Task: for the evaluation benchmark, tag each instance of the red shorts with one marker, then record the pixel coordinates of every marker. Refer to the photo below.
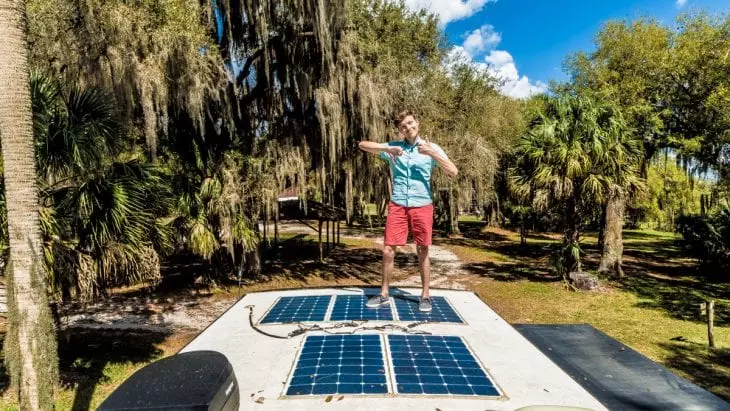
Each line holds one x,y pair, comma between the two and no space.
400,218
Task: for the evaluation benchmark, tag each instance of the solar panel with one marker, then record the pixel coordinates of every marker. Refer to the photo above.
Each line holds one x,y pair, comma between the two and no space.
437,365
339,364
298,309
407,308
352,307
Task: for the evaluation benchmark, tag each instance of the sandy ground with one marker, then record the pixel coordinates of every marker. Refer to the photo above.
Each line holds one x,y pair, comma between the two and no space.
192,313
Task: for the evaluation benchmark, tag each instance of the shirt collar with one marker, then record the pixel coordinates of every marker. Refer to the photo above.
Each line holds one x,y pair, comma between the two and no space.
415,143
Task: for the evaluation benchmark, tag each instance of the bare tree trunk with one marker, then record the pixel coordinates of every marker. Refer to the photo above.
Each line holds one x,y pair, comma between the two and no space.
453,212
30,344
523,232
602,228
613,246
572,238
348,198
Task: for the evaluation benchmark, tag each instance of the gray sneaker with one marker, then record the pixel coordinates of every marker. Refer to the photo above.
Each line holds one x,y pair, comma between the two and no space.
377,301
425,305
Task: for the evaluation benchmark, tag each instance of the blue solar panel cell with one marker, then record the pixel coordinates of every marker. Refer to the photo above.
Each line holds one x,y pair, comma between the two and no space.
339,364
407,308
437,365
352,308
298,309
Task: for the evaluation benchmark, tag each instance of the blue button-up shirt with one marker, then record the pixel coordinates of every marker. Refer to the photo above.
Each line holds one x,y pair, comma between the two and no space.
411,174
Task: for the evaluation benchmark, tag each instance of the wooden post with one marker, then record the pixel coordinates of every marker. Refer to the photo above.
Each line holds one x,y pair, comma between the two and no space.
266,224
334,238
710,323
276,226
321,255
328,237
338,232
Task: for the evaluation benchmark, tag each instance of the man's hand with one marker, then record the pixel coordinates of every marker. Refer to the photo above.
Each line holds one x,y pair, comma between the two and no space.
394,151
425,147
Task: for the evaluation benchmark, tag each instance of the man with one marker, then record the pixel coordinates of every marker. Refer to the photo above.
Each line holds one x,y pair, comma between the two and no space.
411,207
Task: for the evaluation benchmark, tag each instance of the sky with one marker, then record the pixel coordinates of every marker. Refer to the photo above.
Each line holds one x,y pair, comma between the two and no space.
525,42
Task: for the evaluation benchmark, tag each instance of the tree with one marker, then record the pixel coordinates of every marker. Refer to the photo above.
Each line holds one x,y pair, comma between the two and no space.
670,194
575,155
30,345
628,68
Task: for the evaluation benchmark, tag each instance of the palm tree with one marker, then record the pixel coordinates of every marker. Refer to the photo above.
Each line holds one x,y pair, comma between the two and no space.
574,155
30,345
102,207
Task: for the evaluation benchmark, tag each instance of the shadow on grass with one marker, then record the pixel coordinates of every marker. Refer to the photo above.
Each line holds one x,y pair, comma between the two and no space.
655,267
511,272
84,355
679,297
521,262
473,230
299,260
708,368
629,235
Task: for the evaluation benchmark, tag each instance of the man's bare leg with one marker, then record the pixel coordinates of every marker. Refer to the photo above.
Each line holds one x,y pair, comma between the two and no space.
388,258
424,266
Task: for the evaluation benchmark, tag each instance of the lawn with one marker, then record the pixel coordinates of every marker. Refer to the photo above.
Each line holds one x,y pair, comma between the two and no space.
654,309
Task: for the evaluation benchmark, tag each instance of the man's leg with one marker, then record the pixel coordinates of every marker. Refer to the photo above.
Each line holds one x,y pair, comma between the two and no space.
388,258
422,224
424,266
396,233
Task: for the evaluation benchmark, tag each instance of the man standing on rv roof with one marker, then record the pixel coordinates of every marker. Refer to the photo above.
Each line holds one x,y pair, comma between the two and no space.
411,203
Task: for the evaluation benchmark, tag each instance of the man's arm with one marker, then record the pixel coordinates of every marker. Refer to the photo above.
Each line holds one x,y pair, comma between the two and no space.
377,148
447,165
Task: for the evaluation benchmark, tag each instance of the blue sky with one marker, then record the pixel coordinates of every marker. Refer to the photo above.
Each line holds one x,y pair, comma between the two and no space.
526,41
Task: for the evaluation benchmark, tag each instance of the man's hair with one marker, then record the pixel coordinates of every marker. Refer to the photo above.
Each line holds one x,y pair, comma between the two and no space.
402,115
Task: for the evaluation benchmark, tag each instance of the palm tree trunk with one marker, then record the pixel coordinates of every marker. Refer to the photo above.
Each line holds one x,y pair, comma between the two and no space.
30,345
572,237
613,246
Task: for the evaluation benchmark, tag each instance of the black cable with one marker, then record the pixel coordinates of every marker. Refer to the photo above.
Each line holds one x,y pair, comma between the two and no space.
250,321
408,329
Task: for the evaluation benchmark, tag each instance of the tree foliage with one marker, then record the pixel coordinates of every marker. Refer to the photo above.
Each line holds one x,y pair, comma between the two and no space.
576,154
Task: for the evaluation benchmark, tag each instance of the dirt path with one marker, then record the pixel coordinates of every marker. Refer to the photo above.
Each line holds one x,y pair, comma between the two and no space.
445,267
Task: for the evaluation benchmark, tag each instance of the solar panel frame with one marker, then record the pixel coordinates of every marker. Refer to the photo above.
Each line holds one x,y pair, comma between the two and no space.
474,358
263,320
410,302
360,300
386,380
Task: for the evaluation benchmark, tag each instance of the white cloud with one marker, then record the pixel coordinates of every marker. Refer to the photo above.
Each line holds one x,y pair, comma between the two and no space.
681,3
498,63
481,39
499,58
449,10
501,65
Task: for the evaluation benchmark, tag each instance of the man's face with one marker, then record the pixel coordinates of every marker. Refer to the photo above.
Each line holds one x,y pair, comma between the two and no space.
408,128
